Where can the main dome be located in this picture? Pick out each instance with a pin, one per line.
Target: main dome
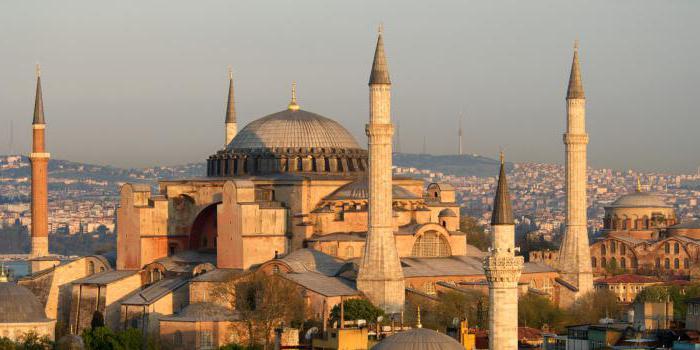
(294, 129)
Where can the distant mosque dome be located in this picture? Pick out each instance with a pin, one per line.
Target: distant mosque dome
(294, 129)
(640, 200)
(419, 339)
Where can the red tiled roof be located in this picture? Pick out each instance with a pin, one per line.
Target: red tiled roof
(527, 333)
(628, 278)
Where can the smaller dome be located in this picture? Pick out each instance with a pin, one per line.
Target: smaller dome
(447, 213)
(640, 200)
(70, 342)
(360, 190)
(19, 305)
(419, 339)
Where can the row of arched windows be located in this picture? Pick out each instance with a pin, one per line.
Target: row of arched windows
(676, 263)
(613, 262)
(676, 248)
(613, 248)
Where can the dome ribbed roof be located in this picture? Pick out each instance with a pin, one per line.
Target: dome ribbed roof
(294, 129)
(640, 200)
(360, 190)
(18, 305)
(419, 339)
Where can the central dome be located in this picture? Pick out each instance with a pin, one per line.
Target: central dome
(294, 129)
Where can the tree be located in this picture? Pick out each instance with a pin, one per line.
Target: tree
(593, 306)
(6, 344)
(32, 341)
(476, 234)
(263, 302)
(357, 309)
(102, 338)
(97, 320)
(536, 311)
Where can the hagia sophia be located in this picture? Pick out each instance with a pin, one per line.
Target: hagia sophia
(294, 194)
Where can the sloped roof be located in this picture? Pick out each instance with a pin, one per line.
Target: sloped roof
(322, 284)
(106, 277)
(155, 291)
(311, 260)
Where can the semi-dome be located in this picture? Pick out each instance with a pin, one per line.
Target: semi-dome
(294, 129)
(19, 305)
(640, 200)
(419, 339)
(359, 189)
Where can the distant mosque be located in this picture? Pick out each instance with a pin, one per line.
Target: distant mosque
(294, 194)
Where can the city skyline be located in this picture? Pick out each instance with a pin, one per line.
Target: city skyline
(145, 74)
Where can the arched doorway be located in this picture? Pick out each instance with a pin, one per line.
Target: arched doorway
(204, 228)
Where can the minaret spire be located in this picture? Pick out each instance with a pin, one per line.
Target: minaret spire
(230, 122)
(380, 276)
(574, 253)
(38, 100)
(502, 209)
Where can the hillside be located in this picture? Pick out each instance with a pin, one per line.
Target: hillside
(459, 165)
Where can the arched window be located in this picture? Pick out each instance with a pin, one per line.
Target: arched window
(613, 262)
(657, 263)
(349, 252)
(635, 264)
(603, 263)
(602, 249)
(593, 262)
(667, 248)
(623, 249)
(676, 248)
(676, 263)
(91, 267)
(667, 263)
(623, 262)
(431, 244)
(613, 247)
(177, 338)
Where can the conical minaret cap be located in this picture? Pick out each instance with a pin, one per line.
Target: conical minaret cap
(231, 105)
(380, 68)
(502, 210)
(575, 90)
(38, 100)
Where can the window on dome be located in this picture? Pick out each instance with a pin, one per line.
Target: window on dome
(667, 248)
(431, 244)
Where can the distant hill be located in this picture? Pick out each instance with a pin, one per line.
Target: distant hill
(459, 165)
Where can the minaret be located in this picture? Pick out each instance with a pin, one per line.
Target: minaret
(502, 269)
(40, 161)
(460, 135)
(231, 124)
(380, 276)
(574, 254)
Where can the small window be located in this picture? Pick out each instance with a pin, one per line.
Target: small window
(205, 340)
(667, 248)
(91, 267)
(676, 248)
(676, 263)
(623, 262)
(275, 269)
(657, 263)
(623, 249)
(593, 262)
(613, 247)
(667, 263)
(602, 249)
(177, 338)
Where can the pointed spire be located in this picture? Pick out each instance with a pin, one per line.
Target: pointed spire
(38, 100)
(231, 104)
(502, 210)
(293, 106)
(575, 90)
(380, 68)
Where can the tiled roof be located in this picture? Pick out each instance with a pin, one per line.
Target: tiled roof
(155, 291)
(106, 277)
(627, 278)
(322, 284)
(218, 275)
(311, 260)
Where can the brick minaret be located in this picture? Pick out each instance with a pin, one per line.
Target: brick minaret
(231, 124)
(574, 254)
(502, 269)
(380, 276)
(40, 162)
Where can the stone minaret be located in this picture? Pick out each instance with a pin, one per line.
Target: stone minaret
(40, 163)
(231, 124)
(574, 254)
(502, 269)
(380, 276)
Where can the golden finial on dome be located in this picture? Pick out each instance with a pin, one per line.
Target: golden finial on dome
(293, 106)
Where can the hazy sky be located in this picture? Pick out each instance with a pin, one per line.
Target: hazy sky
(140, 83)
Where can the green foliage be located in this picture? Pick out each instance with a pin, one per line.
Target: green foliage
(357, 309)
(679, 295)
(613, 269)
(6, 344)
(476, 235)
(594, 306)
(535, 311)
(239, 347)
(102, 338)
(460, 305)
